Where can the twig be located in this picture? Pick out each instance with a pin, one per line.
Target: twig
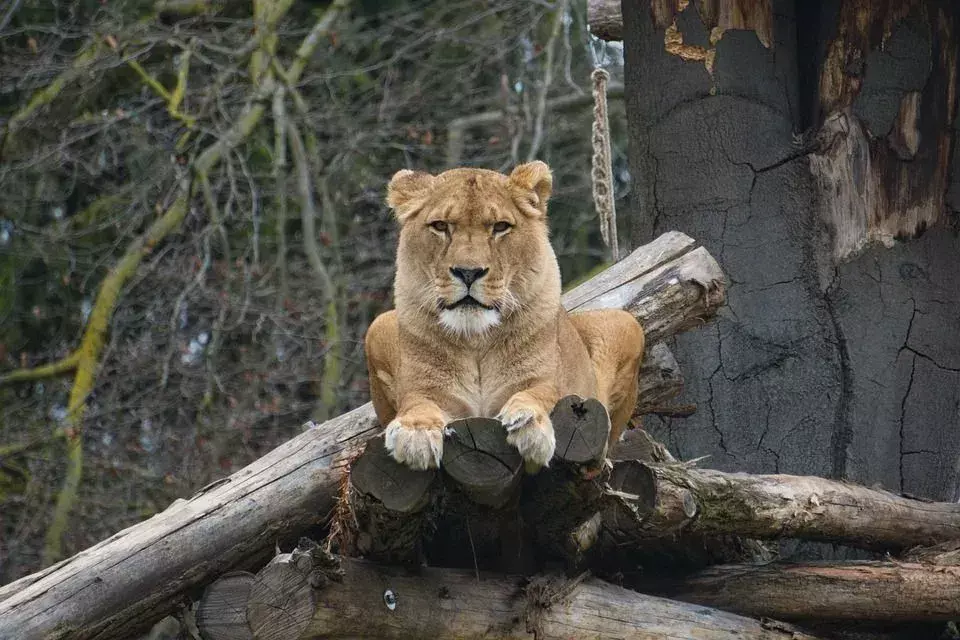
(559, 12)
(457, 126)
(308, 212)
(280, 178)
(59, 367)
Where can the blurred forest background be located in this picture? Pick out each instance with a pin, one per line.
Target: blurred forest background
(193, 238)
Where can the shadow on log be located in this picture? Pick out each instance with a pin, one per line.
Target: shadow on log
(372, 601)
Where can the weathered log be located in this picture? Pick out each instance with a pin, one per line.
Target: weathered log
(852, 591)
(671, 285)
(137, 576)
(605, 19)
(786, 506)
(373, 601)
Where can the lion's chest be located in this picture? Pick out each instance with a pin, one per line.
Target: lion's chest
(485, 386)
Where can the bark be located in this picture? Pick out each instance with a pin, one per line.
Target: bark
(758, 163)
(139, 575)
(372, 601)
(860, 591)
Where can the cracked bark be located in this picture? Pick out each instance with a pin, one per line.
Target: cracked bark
(821, 254)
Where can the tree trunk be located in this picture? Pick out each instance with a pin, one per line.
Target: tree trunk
(138, 575)
(786, 147)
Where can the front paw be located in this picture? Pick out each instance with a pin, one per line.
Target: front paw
(415, 443)
(529, 429)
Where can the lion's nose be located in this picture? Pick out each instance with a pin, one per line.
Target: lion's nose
(468, 276)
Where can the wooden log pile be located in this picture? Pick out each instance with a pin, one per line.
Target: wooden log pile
(603, 514)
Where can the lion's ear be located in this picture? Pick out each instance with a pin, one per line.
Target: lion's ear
(406, 192)
(534, 177)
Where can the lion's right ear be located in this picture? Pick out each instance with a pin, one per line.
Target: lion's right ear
(407, 191)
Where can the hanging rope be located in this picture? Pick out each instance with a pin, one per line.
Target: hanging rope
(602, 173)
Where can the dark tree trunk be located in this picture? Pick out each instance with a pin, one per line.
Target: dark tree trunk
(810, 154)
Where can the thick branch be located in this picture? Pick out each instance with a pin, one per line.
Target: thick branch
(785, 506)
(66, 365)
(140, 574)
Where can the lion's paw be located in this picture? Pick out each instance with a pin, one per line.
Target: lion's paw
(419, 447)
(531, 432)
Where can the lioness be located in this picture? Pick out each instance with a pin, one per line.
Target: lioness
(478, 328)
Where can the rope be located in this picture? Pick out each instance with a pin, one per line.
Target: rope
(602, 174)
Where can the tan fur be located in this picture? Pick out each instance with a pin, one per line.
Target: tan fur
(512, 358)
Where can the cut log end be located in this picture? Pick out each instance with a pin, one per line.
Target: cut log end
(282, 598)
(582, 428)
(398, 487)
(478, 458)
(222, 613)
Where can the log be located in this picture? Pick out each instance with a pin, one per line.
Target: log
(861, 591)
(138, 575)
(605, 19)
(786, 506)
(477, 457)
(374, 601)
(387, 510)
(123, 584)
(671, 285)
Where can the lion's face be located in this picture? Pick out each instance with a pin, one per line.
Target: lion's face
(474, 249)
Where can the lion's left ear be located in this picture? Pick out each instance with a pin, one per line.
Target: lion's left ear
(534, 177)
(407, 191)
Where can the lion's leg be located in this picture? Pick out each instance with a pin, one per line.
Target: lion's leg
(381, 346)
(414, 423)
(614, 339)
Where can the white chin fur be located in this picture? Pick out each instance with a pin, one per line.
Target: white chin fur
(467, 322)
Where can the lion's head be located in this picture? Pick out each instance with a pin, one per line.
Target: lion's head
(474, 249)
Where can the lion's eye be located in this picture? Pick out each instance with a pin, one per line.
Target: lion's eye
(501, 226)
(439, 225)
